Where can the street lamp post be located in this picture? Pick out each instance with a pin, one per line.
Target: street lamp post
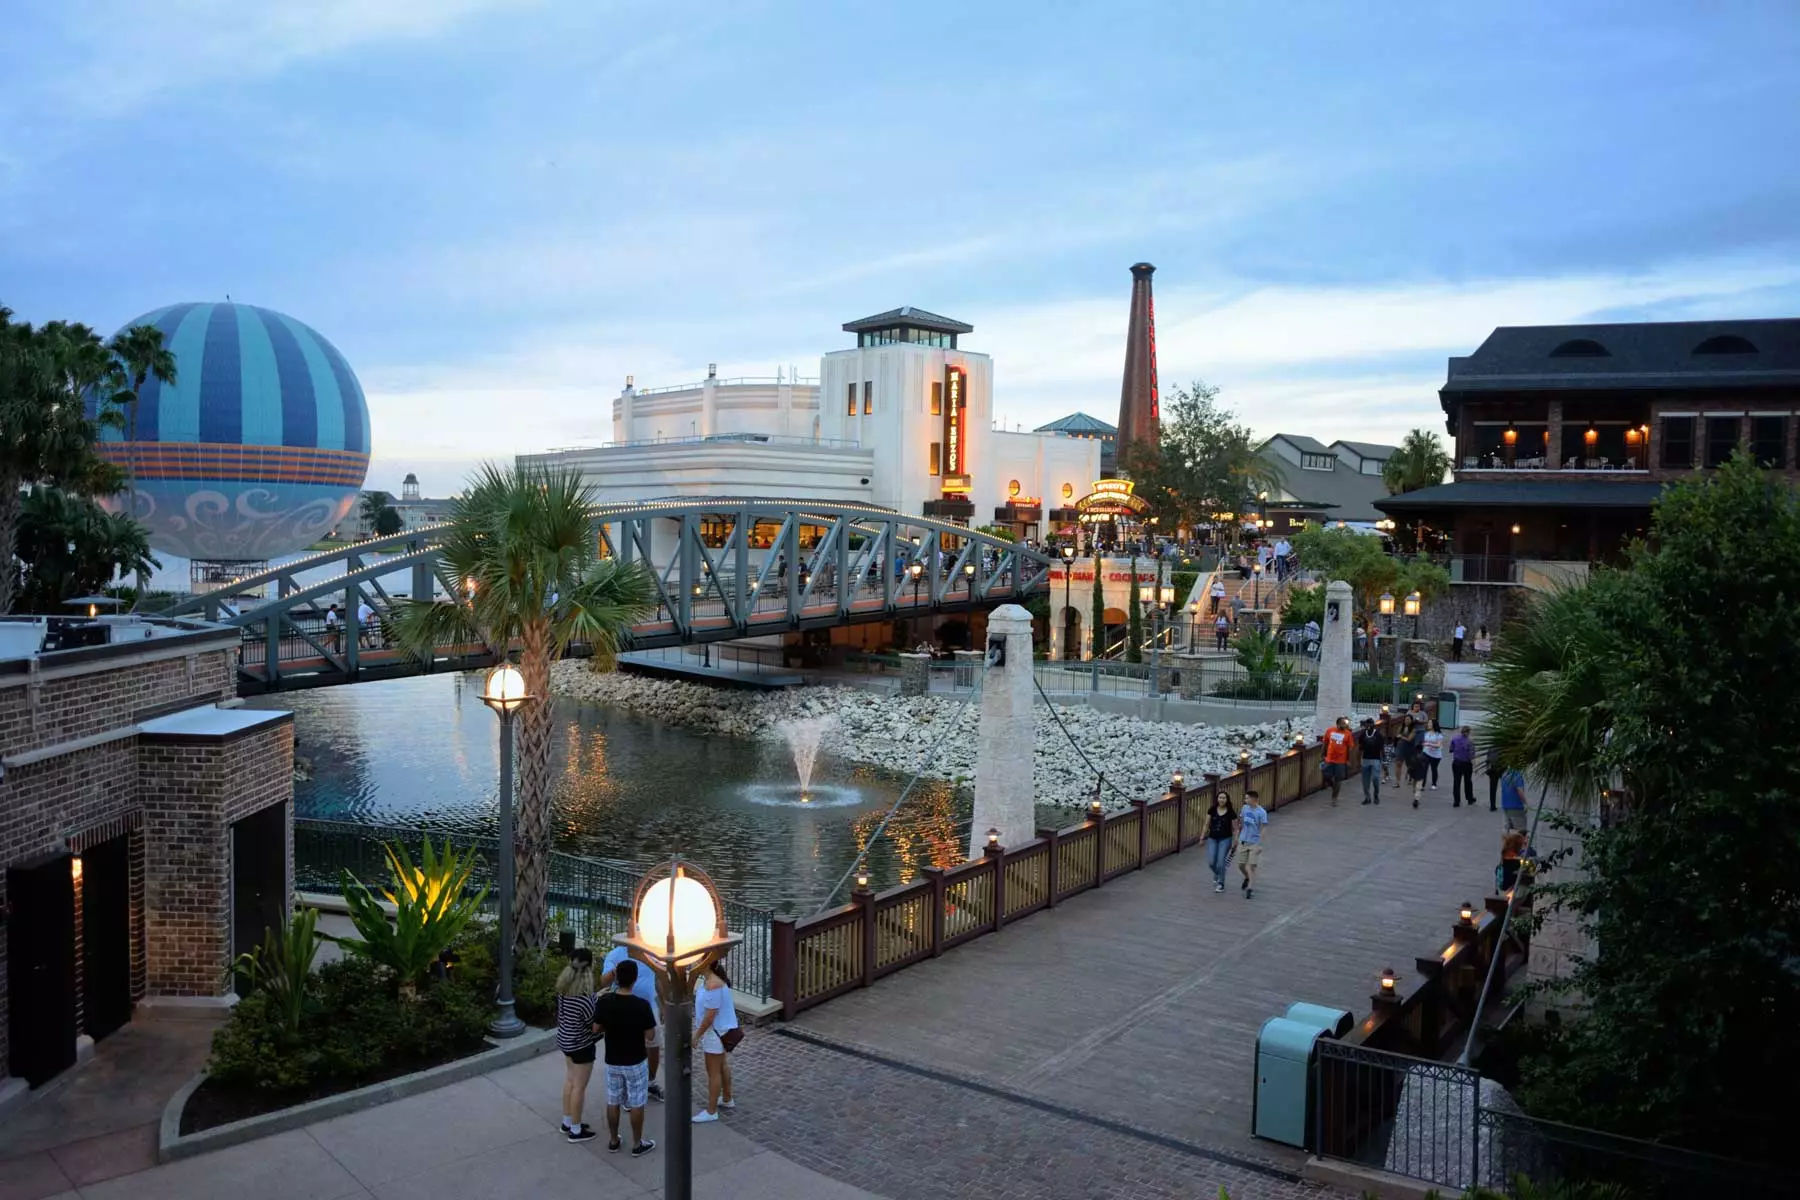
(917, 570)
(1068, 577)
(1386, 607)
(678, 923)
(504, 693)
(969, 580)
(1147, 600)
(1256, 595)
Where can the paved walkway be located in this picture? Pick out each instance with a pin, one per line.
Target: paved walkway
(493, 1137)
(1139, 1004)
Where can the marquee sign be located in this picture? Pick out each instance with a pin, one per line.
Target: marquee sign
(1110, 498)
(956, 416)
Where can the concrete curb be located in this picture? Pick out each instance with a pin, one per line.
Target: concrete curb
(172, 1146)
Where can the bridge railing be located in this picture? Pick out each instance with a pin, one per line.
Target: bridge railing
(878, 933)
(588, 896)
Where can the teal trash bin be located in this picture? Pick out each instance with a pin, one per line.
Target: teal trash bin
(1449, 710)
(1282, 1092)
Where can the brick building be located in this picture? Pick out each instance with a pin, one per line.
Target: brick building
(146, 828)
(1564, 435)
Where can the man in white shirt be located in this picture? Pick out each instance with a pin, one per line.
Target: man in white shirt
(1282, 552)
(1218, 595)
(1456, 641)
(645, 989)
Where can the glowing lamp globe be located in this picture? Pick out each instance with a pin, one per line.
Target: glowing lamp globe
(258, 449)
(677, 918)
(504, 689)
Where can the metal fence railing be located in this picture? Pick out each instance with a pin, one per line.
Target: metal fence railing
(588, 896)
(1430, 1121)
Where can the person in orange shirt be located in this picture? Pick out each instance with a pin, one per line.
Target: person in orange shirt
(1337, 756)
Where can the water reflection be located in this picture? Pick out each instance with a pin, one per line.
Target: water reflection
(627, 789)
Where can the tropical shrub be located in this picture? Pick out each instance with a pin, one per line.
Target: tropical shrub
(280, 968)
(432, 905)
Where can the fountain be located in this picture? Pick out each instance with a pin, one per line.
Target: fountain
(803, 738)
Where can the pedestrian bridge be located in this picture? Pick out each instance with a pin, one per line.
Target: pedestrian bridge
(725, 568)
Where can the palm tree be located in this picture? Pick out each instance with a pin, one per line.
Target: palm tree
(1421, 462)
(523, 552)
(375, 507)
(142, 357)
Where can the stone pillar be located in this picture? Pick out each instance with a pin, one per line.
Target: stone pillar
(915, 674)
(1006, 745)
(1334, 657)
(709, 405)
(1193, 675)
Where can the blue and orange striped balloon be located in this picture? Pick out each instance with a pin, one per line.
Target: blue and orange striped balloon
(260, 447)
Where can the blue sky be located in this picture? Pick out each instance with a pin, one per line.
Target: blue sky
(497, 209)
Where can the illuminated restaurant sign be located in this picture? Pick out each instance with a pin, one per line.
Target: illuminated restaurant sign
(1110, 498)
(956, 383)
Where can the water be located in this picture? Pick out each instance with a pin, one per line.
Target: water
(627, 789)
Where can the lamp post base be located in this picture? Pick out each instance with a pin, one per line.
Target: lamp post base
(506, 1023)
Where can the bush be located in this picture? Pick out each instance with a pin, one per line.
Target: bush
(433, 903)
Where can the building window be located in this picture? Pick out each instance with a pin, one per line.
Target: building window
(937, 398)
(1318, 462)
(1721, 439)
(1678, 443)
(937, 458)
(850, 409)
(868, 396)
(1768, 441)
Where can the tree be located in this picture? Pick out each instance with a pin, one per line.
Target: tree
(1690, 662)
(45, 376)
(1134, 620)
(526, 542)
(1360, 561)
(70, 546)
(1420, 462)
(379, 515)
(1097, 629)
(141, 356)
(1206, 462)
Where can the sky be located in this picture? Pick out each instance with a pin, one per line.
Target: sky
(499, 209)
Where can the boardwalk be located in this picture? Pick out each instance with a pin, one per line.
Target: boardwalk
(1139, 1004)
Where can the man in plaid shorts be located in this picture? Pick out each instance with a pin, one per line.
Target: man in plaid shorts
(630, 1029)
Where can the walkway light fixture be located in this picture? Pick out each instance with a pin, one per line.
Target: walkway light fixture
(862, 879)
(1389, 982)
(1244, 759)
(1387, 604)
(993, 839)
(1412, 605)
(504, 692)
(678, 923)
(1467, 913)
(916, 570)
(1095, 809)
(1177, 781)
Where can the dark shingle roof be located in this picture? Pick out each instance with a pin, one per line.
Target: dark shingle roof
(908, 317)
(1526, 493)
(1302, 442)
(1370, 449)
(1078, 422)
(1345, 491)
(1646, 354)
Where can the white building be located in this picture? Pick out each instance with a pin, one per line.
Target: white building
(903, 420)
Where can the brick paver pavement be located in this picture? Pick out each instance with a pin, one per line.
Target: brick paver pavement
(1141, 1001)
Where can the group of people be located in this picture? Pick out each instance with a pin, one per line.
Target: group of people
(620, 1006)
(368, 627)
(1415, 754)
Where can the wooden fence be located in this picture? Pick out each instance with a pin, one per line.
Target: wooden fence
(876, 934)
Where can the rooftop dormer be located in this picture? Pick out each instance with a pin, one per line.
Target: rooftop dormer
(907, 326)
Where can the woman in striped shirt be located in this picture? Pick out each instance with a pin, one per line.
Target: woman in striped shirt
(576, 995)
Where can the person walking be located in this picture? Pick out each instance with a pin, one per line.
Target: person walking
(1412, 751)
(1337, 756)
(1218, 593)
(1462, 768)
(1373, 748)
(717, 1021)
(576, 996)
(1221, 631)
(1512, 798)
(1513, 852)
(334, 629)
(644, 988)
(366, 627)
(1251, 821)
(1434, 751)
(629, 1028)
(1495, 769)
(1456, 641)
(1221, 831)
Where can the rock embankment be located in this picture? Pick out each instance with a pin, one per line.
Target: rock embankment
(936, 735)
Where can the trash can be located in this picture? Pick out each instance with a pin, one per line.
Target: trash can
(1449, 710)
(1282, 1080)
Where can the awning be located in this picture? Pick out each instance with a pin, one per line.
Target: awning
(1525, 493)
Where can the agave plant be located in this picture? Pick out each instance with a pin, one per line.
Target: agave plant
(432, 904)
(280, 967)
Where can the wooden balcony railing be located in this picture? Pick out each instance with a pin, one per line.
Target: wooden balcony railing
(876, 934)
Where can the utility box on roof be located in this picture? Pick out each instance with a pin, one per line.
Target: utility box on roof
(1282, 1100)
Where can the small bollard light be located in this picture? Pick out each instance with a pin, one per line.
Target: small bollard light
(1177, 781)
(1244, 759)
(1094, 809)
(993, 839)
(1299, 741)
(1388, 982)
(1468, 913)
(862, 879)
(1384, 710)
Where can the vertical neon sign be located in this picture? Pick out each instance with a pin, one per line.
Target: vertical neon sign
(954, 416)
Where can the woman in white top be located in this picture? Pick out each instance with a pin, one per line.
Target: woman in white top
(1434, 752)
(715, 1016)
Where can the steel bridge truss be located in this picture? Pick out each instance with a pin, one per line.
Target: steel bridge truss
(727, 567)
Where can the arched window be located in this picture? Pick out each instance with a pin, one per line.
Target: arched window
(1725, 343)
(1581, 348)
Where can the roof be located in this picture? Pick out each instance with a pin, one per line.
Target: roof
(1078, 422)
(1645, 354)
(1369, 449)
(908, 317)
(1349, 494)
(1301, 442)
(1526, 493)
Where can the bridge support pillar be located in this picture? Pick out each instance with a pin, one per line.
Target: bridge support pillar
(1007, 743)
